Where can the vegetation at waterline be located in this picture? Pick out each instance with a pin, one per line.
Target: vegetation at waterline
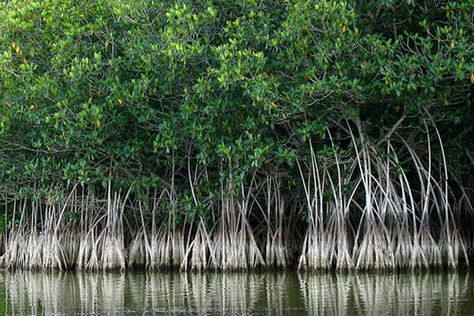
(236, 134)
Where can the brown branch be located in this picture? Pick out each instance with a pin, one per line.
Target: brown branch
(391, 131)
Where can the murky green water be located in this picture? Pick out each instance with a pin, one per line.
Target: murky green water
(28, 293)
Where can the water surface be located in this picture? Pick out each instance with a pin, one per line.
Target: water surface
(29, 293)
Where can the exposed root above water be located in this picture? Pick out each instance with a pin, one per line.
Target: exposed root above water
(359, 209)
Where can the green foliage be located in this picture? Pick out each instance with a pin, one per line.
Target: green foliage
(132, 90)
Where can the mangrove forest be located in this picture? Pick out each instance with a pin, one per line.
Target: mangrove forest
(236, 134)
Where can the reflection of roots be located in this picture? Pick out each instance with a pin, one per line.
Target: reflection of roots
(236, 293)
(377, 294)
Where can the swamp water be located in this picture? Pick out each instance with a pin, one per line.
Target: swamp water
(288, 293)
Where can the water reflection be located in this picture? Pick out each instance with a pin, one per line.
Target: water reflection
(27, 293)
(388, 294)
